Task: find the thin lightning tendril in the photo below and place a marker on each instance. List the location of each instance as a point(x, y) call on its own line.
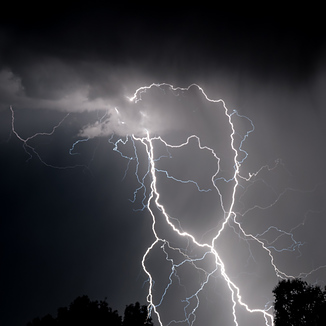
point(31, 150)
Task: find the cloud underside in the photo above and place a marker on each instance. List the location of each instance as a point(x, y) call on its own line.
point(85, 85)
point(52, 83)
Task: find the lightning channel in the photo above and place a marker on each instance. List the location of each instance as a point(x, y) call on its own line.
point(154, 201)
point(182, 248)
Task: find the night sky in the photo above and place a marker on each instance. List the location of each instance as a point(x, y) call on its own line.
point(72, 219)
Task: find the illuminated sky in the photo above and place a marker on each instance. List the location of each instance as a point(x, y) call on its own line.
point(68, 223)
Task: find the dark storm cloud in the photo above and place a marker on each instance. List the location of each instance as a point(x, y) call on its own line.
point(62, 59)
point(89, 54)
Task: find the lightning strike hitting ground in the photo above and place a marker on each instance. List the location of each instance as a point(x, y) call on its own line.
point(154, 199)
point(180, 245)
point(230, 215)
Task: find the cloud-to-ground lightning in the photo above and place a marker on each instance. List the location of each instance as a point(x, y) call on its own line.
point(158, 211)
point(210, 247)
point(181, 246)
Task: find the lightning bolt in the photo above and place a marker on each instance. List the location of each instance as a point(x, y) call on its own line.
point(210, 248)
point(184, 249)
point(231, 218)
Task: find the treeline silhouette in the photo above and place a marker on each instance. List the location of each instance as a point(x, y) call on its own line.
point(82, 311)
point(298, 303)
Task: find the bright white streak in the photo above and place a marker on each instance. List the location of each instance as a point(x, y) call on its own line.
point(154, 197)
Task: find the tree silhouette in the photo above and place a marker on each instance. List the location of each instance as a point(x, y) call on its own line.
point(135, 315)
point(299, 304)
point(47, 320)
point(84, 312)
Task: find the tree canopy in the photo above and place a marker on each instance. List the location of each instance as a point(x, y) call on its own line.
point(298, 303)
point(84, 312)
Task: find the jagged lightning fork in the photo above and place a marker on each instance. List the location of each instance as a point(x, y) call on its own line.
point(30, 150)
point(26, 140)
point(154, 197)
point(151, 200)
